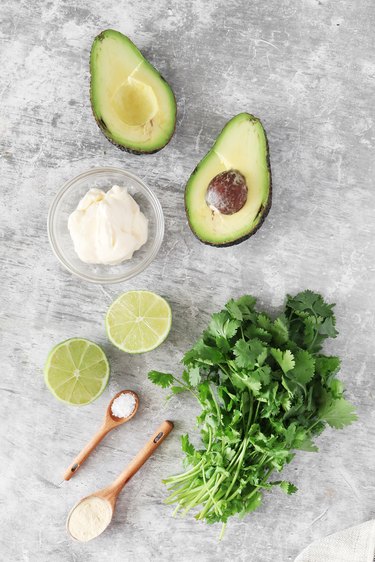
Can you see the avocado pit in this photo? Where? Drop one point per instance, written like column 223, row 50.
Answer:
column 227, row 192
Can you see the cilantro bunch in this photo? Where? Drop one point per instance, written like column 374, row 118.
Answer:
column 265, row 390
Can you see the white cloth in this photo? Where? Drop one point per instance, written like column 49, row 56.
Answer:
column 356, row 544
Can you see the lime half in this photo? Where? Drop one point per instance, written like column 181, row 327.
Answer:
column 138, row 321
column 76, row 371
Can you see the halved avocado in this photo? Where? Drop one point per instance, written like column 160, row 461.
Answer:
column 132, row 103
column 228, row 195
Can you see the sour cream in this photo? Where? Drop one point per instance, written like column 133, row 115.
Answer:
column 107, row 227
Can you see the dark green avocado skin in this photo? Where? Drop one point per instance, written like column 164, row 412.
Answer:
column 265, row 210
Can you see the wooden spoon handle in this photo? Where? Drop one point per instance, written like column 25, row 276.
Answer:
column 145, row 453
column 86, row 451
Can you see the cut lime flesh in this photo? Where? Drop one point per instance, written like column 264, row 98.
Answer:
column 138, row 321
column 76, row 371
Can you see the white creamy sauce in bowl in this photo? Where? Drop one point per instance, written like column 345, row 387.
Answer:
column 107, row 227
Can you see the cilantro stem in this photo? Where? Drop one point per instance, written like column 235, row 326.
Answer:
column 256, row 412
column 239, row 465
column 313, row 425
column 184, row 475
column 198, row 499
column 185, row 497
column 186, row 386
column 208, row 505
column 257, row 487
column 250, row 412
column 222, row 368
column 223, row 527
column 216, row 405
column 217, row 509
column 184, row 488
column 314, row 340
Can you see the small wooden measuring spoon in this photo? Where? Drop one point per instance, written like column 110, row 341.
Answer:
column 111, row 492
column 110, row 422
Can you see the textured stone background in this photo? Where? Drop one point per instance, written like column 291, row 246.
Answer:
column 306, row 67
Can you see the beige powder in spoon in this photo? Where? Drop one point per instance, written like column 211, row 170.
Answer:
column 89, row 518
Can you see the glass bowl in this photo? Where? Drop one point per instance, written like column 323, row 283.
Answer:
column 66, row 202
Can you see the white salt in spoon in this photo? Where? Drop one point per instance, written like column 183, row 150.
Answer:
column 110, row 422
column 92, row 514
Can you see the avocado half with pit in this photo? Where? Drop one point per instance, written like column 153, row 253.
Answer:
column 132, row 103
column 228, row 195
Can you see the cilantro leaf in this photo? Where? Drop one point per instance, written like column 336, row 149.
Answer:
column 262, row 356
column 161, row 379
column 234, row 310
column 310, row 301
column 249, row 353
column 245, row 358
column 284, row 358
column 327, row 365
column 327, row 328
column 186, row 446
column 202, row 353
column 312, row 320
column 288, row 487
column 244, row 379
column 280, row 330
column 337, row 413
column 304, row 368
column 252, row 381
column 223, row 344
column 321, row 308
column 194, row 376
column 259, row 350
column 223, row 326
column 185, row 377
column 307, row 445
column 246, row 305
column 252, row 331
column 264, row 322
column 336, row 388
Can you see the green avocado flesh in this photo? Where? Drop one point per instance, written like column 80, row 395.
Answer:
column 241, row 149
column 133, row 105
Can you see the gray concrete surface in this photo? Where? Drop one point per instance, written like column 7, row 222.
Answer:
column 306, row 67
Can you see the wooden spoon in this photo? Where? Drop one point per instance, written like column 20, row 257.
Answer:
column 110, row 422
column 111, row 492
